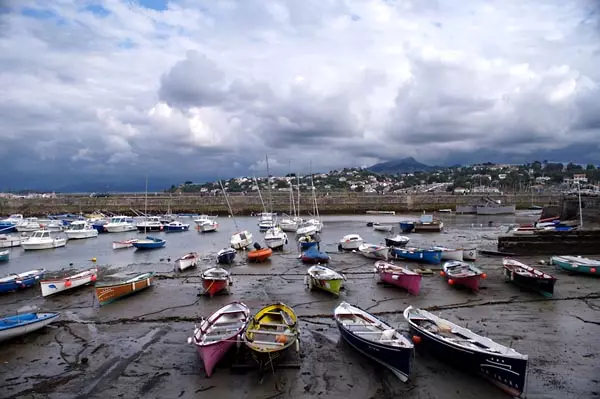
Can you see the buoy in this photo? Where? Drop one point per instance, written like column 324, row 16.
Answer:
column 93, row 259
column 68, row 283
column 416, row 339
column 93, row 278
column 593, row 270
column 451, row 282
column 442, row 273
column 483, row 276
column 282, row 339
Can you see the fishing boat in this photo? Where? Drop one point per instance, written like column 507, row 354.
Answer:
column 4, row 255
column 272, row 331
column 149, row 243
column 470, row 254
column 350, row 242
column 9, row 241
column 202, row 218
column 41, row 239
column 308, row 241
column 500, row 364
column 275, row 238
column 427, row 224
column 28, row 225
column 226, row 255
column 397, row 241
column 56, row 285
column 124, row 244
column 399, row 276
column 431, row 256
column 108, row 292
column 119, row 224
column 464, row 274
column 449, row 253
column 407, row 226
column 259, row 254
column 14, row 282
column 150, row 223
column 215, row 336
column 80, row 229
column 176, row 226
column 21, row 324
column 188, row 260
column 382, row 227
column 325, row 279
column 577, row 264
column 215, row 280
column 313, row 255
column 375, row 339
column 208, row 226
column 528, row 277
column 374, row 251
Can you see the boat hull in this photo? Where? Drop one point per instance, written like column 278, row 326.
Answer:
column 333, row 286
column 119, row 228
column 409, row 282
column 226, row 257
column 4, row 256
column 50, row 287
column 470, row 254
column 80, row 235
column 213, row 353
column 260, row 255
column 407, row 227
column 541, row 285
column 212, row 287
column 452, row 254
column 470, row 282
column 7, row 241
column 351, row 245
column 208, row 227
column 422, row 256
column 428, row 227
column 19, row 283
column 110, row 293
column 395, row 243
column 382, row 253
column 173, row 229
column 182, row 264
column 36, row 246
column 276, row 243
column 123, row 244
column 152, row 228
column 575, row 267
column 26, row 323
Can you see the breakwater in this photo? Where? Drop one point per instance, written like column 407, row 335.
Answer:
column 329, row 203
column 577, row 242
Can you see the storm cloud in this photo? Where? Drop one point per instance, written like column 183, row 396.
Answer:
column 177, row 90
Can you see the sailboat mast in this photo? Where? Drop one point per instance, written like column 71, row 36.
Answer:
column 298, row 185
column 269, row 184
column 228, row 205
column 260, row 195
column 146, row 208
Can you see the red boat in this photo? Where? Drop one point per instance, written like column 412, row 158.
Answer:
column 462, row 273
column 215, row 280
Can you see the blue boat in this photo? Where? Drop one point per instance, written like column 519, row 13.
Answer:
column 15, row 326
column 307, row 242
column 150, row 243
column 407, row 226
column 4, row 256
column 14, row 282
column 313, row 255
column 176, row 226
column 226, row 255
column 99, row 225
column 432, row 256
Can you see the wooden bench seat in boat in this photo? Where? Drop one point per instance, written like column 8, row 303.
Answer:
column 268, row 343
column 271, row 332
column 269, row 324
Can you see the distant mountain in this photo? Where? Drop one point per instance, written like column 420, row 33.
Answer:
column 404, row 165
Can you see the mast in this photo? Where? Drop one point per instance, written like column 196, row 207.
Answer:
column 298, row 186
column 269, row 185
column 228, row 205
column 260, row 195
column 312, row 186
column 146, row 208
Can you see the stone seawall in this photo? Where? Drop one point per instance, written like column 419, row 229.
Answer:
column 579, row 242
column 332, row 203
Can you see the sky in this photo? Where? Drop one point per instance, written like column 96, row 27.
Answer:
column 108, row 92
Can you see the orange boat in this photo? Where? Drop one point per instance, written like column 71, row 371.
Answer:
column 108, row 292
column 259, row 254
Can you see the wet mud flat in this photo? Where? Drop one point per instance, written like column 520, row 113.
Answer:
column 136, row 347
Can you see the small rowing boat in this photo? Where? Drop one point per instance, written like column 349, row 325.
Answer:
column 108, row 292
column 399, row 276
column 56, row 285
column 460, row 273
column 188, row 260
column 15, row 282
column 528, row 277
column 577, row 264
column 124, row 243
column 325, row 279
column 215, row 280
column 15, row 326
column 374, row 251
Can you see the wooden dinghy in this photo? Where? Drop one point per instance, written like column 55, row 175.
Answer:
column 500, row 364
column 109, row 292
column 270, row 334
column 124, row 243
column 14, row 326
column 188, row 260
column 399, row 276
column 577, row 264
column 450, row 253
column 375, row 339
column 323, row 278
column 56, row 285
column 374, row 251
column 215, row 280
column 14, row 282
column 215, row 336
column 464, row 274
column 528, row 277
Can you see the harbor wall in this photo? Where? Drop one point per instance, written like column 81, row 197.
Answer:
column 329, row 203
column 577, row 242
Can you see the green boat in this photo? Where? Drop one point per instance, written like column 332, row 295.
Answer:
column 325, row 279
column 577, row 264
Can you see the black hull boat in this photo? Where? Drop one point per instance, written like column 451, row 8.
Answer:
column 375, row 339
column 396, row 241
column 500, row 364
column 528, row 277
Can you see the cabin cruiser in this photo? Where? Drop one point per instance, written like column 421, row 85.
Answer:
column 119, row 224
column 80, row 229
column 150, row 223
column 41, row 239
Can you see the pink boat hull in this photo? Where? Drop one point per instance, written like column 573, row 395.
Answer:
column 410, row 282
column 471, row 282
column 213, row 353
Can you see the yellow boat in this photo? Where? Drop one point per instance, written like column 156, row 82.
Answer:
column 270, row 333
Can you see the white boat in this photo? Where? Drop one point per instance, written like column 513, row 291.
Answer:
column 208, row 226
column 52, row 226
column 290, row 224
column 80, row 229
column 124, row 244
column 241, row 240
column 119, row 224
column 28, row 225
column 150, row 223
column 9, row 241
column 15, row 326
column 307, row 229
column 374, row 251
column 188, row 260
column 470, row 254
column 450, row 254
column 53, row 286
column 275, row 238
column 351, row 242
column 382, row 227
column 41, row 239
column 202, row 218
column 10, row 222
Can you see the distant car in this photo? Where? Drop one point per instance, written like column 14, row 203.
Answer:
column 99, row 195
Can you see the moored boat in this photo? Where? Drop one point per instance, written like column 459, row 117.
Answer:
column 272, row 331
column 313, row 255
column 275, row 238
column 399, row 276
column 150, row 223
column 4, row 255
column 15, row 282
column 449, row 253
column 431, row 256
column 427, row 224
column 107, row 292
column 577, row 264
column 375, row 339
column 9, row 241
column 188, row 260
column 119, row 224
column 397, row 241
column 124, row 244
column 208, row 226
column 459, row 273
column 80, row 229
column 382, row 227
column 176, row 226
column 374, row 251
column 407, row 226
column 259, row 254
column 350, row 242
column 226, row 255
column 215, row 280
column 500, row 364
column 149, row 243
column 56, row 285
column 528, row 277
column 21, row 324
column 215, row 335
column 470, row 254
column 241, row 240
column 325, row 279
column 308, row 241
column 8, row 225
column 41, row 239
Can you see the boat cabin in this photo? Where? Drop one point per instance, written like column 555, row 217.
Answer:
column 40, row 234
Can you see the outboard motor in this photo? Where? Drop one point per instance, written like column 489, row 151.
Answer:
column 257, row 246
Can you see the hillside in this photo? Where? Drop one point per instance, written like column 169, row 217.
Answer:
column 404, row 165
